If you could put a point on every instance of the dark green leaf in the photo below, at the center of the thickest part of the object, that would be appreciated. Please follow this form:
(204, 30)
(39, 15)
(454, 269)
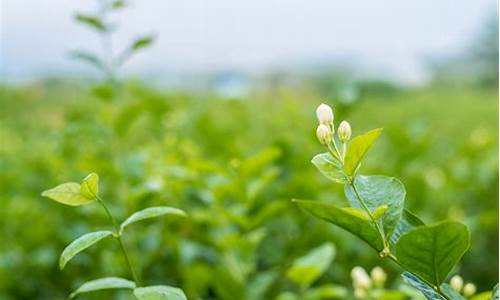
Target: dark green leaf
(91, 21)
(407, 222)
(306, 269)
(159, 292)
(377, 191)
(151, 212)
(342, 218)
(424, 288)
(357, 149)
(330, 167)
(432, 251)
(104, 284)
(81, 244)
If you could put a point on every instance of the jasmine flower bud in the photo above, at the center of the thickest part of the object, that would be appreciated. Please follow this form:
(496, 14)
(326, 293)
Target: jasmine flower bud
(324, 134)
(344, 131)
(378, 276)
(469, 289)
(324, 113)
(456, 283)
(360, 278)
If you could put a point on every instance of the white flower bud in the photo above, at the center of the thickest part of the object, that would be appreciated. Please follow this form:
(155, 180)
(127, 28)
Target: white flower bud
(469, 289)
(324, 134)
(360, 293)
(378, 276)
(360, 278)
(456, 283)
(344, 131)
(324, 113)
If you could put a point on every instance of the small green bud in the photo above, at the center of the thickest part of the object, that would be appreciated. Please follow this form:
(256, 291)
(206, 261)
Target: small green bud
(456, 283)
(324, 113)
(344, 131)
(469, 289)
(324, 134)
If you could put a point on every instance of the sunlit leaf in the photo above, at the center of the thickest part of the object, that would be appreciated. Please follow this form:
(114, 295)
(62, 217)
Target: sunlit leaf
(377, 191)
(159, 292)
(90, 186)
(81, 244)
(424, 288)
(342, 218)
(91, 21)
(67, 193)
(330, 167)
(151, 212)
(104, 284)
(306, 269)
(357, 149)
(432, 251)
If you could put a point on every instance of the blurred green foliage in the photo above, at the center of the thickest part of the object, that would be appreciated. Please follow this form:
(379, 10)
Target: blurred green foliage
(233, 165)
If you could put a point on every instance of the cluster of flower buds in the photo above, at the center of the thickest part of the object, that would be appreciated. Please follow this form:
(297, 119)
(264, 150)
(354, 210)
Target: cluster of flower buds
(363, 283)
(457, 283)
(326, 128)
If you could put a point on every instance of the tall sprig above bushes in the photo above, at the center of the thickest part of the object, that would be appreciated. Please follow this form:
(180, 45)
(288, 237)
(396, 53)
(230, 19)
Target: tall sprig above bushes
(376, 212)
(86, 192)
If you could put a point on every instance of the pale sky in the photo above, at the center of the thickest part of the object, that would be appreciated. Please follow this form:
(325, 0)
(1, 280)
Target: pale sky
(390, 36)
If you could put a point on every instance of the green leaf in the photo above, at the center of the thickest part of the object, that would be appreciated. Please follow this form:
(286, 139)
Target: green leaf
(424, 288)
(431, 251)
(159, 292)
(361, 213)
(454, 295)
(88, 58)
(67, 193)
(89, 187)
(407, 222)
(81, 244)
(91, 21)
(379, 212)
(330, 167)
(483, 296)
(329, 291)
(494, 296)
(104, 284)
(357, 149)
(377, 191)
(142, 42)
(306, 269)
(151, 212)
(344, 219)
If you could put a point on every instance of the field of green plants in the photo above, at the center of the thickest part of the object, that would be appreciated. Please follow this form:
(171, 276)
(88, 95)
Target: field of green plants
(234, 165)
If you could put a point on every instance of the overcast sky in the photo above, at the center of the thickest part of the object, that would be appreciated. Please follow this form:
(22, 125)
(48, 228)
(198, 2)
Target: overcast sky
(390, 36)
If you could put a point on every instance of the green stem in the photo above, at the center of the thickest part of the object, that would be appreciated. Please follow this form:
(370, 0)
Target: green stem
(120, 240)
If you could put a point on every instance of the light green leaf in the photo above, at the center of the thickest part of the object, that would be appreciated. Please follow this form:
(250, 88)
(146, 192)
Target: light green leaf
(357, 149)
(483, 296)
(67, 193)
(81, 244)
(142, 42)
(89, 187)
(407, 222)
(431, 251)
(87, 57)
(306, 269)
(338, 216)
(379, 212)
(454, 295)
(91, 21)
(361, 213)
(330, 167)
(377, 191)
(104, 284)
(151, 212)
(328, 291)
(159, 292)
(424, 288)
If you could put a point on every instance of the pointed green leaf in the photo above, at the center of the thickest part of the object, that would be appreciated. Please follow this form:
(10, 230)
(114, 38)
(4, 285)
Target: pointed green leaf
(454, 295)
(377, 191)
(357, 149)
(431, 251)
(306, 269)
(67, 193)
(142, 42)
(424, 288)
(81, 244)
(151, 212)
(91, 21)
(330, 167)
(104, 284)
(89, 187)
(407, 222)
(342, 218)
(159, 292)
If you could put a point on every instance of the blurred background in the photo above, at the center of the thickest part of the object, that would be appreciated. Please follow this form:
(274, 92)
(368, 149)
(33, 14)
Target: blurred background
(209, 106)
